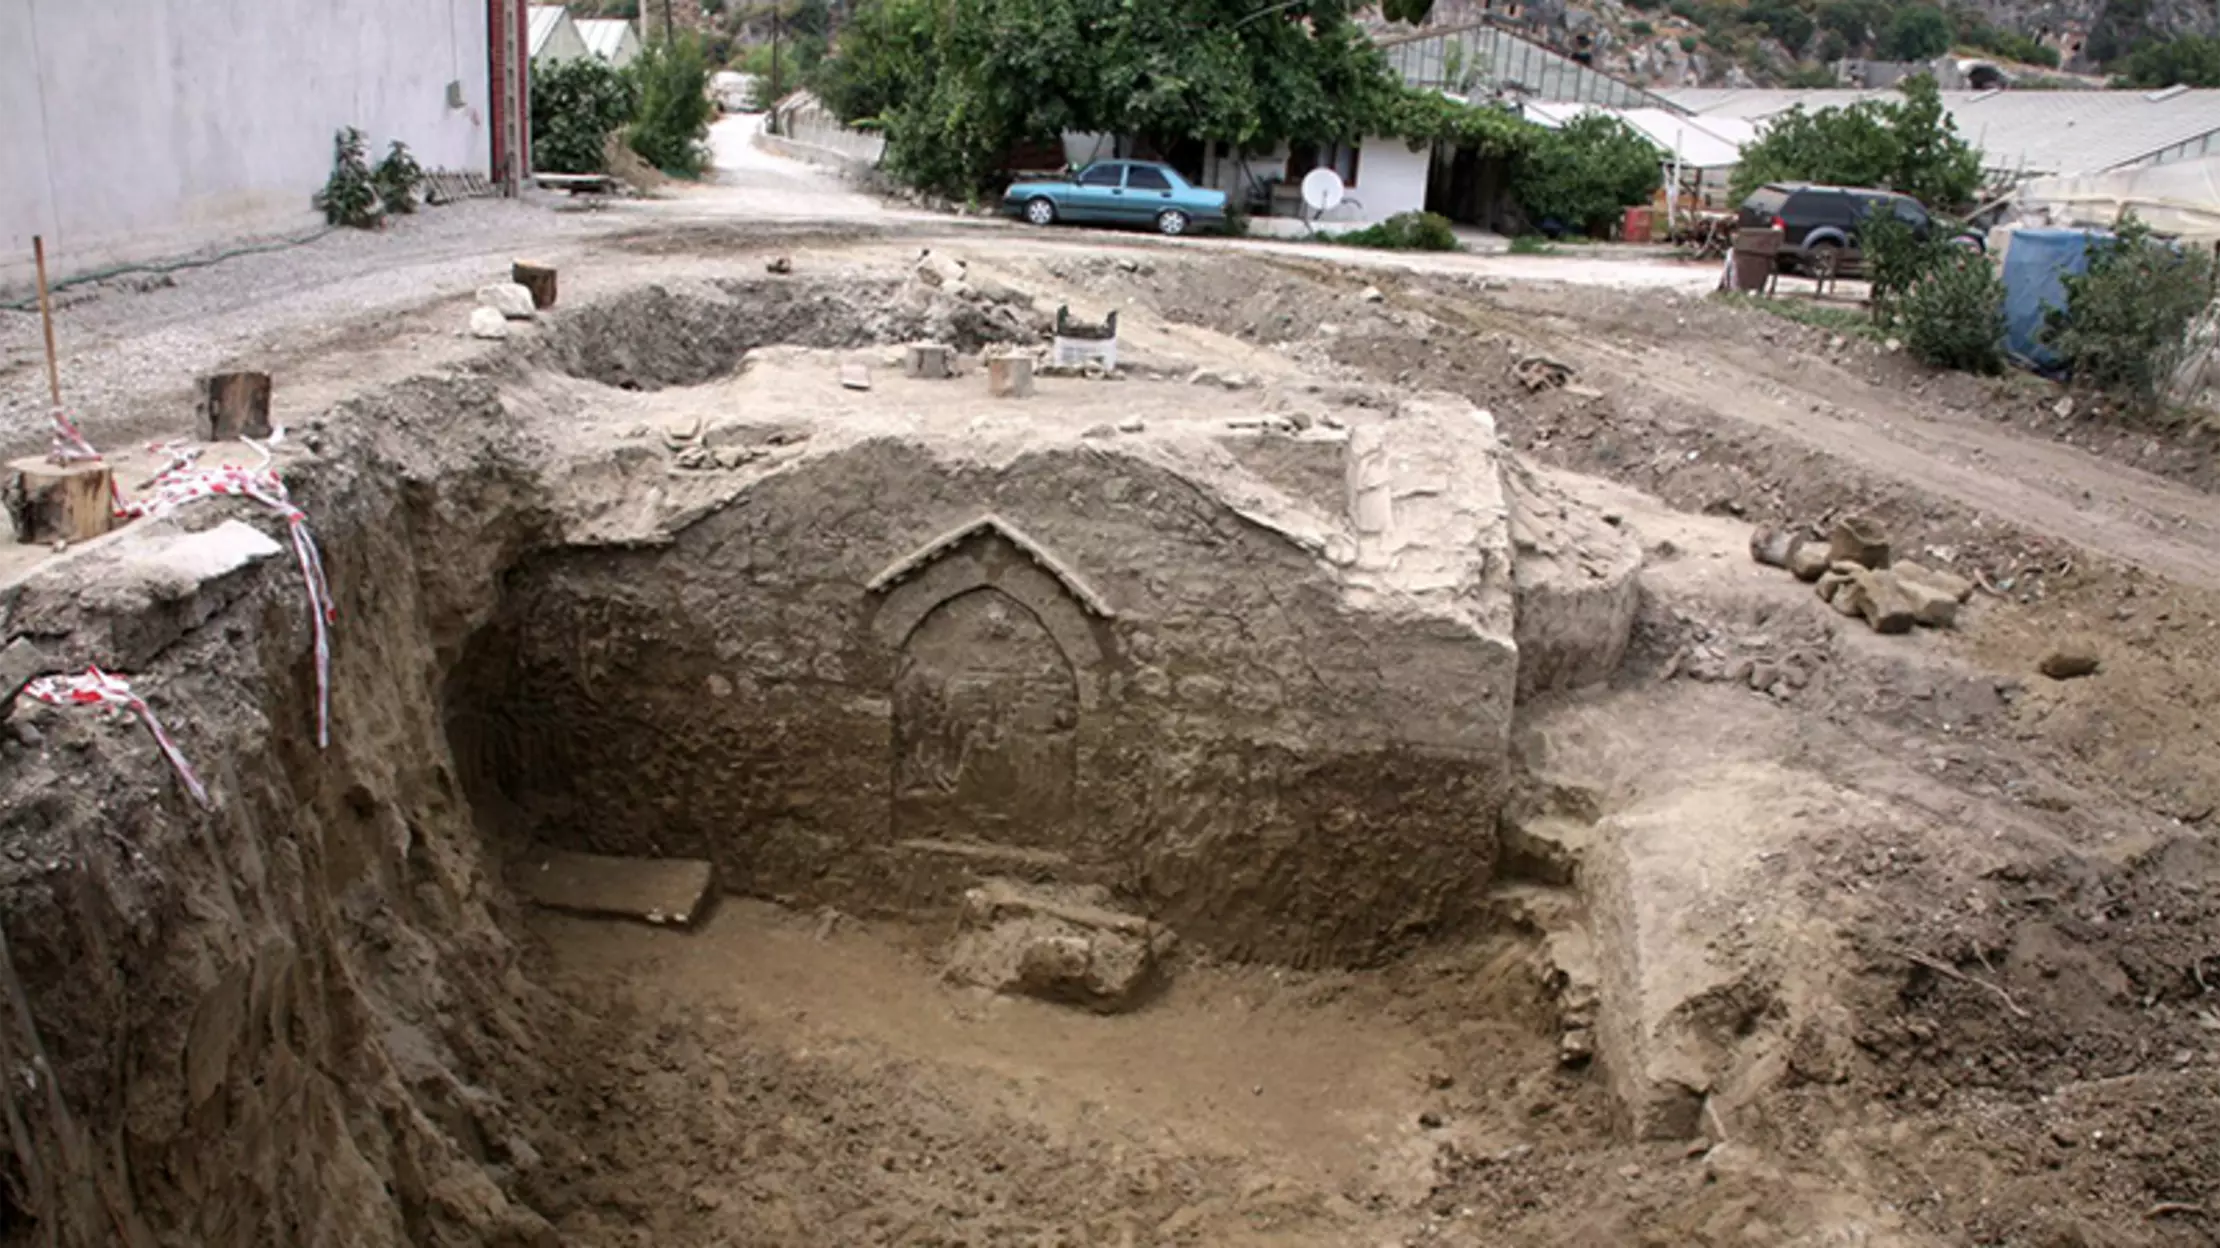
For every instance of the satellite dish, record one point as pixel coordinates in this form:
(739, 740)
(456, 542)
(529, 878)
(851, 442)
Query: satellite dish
(1322, 190)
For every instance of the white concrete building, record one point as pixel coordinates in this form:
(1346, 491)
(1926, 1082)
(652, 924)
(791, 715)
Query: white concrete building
(1382, 176)
(555, 36)
(611, 38)
(137, 129)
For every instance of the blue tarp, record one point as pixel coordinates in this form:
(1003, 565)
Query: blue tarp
(2035, 268)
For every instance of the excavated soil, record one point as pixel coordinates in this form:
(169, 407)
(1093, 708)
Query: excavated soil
(1750, 927)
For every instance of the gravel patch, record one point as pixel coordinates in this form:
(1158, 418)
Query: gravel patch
(130, 347)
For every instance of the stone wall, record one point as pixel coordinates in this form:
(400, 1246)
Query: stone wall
(882, 673)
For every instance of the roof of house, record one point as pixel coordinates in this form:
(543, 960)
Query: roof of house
(2025, 132)
(546, 18)
(1482, 58)
(603, 35)
(1697, 142)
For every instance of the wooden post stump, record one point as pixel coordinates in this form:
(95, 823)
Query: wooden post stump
(933, 361)
(1010, 376)
(537, 278)
(53, 502)
(235, 406)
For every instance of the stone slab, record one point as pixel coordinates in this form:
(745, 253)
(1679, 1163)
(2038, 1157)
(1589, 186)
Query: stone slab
(671, 891)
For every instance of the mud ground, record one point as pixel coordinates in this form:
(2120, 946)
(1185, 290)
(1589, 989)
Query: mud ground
(2031, 1054)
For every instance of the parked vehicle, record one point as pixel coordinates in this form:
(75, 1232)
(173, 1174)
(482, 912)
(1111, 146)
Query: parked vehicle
(1118, 192)
(1819, 224)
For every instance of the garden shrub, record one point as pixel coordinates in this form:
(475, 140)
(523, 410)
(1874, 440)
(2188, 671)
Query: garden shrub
(1953, 316)
(2125, 325)
(576, 106)
(349, 196)
(1405, 231)
(397, 178)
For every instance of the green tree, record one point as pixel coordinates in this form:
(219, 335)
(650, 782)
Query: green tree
(1583, 174)
(958, 83)
(2121, 27)
(1918, 33)
(2191, 61)
(672, 118)
(1854, 20)
(576, 105)
(1933, 165)
(1783, 20)
(1909, 145)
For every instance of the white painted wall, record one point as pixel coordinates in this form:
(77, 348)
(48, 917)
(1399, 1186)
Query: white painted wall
(137, 129)
(1391, 178)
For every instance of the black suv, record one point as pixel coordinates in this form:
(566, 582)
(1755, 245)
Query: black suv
(1819, 224)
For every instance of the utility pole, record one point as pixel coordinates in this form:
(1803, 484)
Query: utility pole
(778, 29)
(670, 29)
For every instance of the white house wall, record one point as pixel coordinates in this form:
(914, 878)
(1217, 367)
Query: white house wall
(1391, 178)
(136, 129)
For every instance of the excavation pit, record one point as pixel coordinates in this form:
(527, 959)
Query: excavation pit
(1239, 663)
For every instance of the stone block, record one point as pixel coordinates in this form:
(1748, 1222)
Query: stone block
(931, 361)
(488, 323)
(1956, 587)
(652, 890)
(1574, 582)
(1860, 541)
(1810, 561)
(512, 301)
(1056, 944)
(1010, 376)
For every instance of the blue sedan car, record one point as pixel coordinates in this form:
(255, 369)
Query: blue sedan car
(1118, 192)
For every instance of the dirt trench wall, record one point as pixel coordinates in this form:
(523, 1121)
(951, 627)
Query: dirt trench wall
(274, 1022)
(1114, 678)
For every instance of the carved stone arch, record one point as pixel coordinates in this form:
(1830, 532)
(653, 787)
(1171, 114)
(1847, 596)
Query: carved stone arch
(991, 554)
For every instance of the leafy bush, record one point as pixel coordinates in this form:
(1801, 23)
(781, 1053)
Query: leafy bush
(2010, 45)
(1640, 29)
(576, 106)
(672, 121)
(1895, 259)
(1953, 317)
(398, 177)
(1688, 43)
(1405, 231)
(1582, 174)
(2125, 325)
(349, 197)
(1910, 145)
(1782, 20)
(2192, 61)
(1919, 32)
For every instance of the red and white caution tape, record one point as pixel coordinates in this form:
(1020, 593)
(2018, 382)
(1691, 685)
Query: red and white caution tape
(68, 445)
(99, 688)
(180, 483)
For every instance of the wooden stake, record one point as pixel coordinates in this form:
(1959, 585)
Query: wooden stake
(1010, 376)
(537, 278)
(235, 405)
(61, 502)
(46, 314)
(933, 361)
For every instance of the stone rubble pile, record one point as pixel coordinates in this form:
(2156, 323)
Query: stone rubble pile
(1853, 572)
